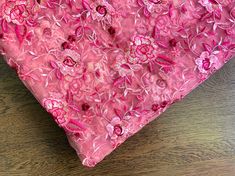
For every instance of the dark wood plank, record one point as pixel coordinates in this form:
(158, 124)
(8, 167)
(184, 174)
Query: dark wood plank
(194, 137)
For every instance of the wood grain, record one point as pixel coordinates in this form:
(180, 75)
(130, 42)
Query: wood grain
(195, 137)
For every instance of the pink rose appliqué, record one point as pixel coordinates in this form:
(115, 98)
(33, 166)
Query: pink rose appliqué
(142, 49)
(16, 11)
(100, 10)
(115, 128)
(205, 61)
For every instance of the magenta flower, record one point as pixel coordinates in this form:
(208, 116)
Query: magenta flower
(205, 61)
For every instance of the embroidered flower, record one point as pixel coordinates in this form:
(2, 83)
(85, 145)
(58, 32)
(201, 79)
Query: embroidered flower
(100, 10)
(55, 107)
(68, 63)
(75, 86)
(162, 24)
(142, 49)
(206, 61)
(124, 68)
(16, 11)
(115, 128)
(211, 5)
(152, 6)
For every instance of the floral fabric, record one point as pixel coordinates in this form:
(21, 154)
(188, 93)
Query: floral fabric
(105, 68)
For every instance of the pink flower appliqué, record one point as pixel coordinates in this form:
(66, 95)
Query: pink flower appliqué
(15, 11)
(210, 5)
(55, 107)
(205, 62)
(115, 128)
(123, 67)
(100, 10)
(68, 65)
(152, 6)
(142, 49)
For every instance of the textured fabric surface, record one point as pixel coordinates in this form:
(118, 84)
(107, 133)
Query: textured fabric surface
(106, 68)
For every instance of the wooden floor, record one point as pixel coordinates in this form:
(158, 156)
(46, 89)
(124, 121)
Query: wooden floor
(195, 137)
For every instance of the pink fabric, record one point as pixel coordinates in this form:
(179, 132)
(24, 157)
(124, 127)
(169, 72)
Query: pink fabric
(106, 68)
